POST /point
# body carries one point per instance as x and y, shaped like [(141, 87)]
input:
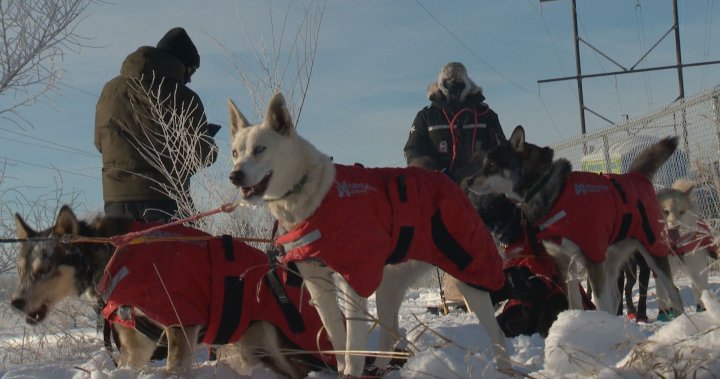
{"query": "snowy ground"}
[(580, 344)]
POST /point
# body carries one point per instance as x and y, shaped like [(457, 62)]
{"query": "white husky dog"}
[(273, 164)]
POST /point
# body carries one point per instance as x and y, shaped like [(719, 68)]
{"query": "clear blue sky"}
[(375, 60)]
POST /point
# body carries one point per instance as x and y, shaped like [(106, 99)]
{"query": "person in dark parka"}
[(453, 133), (132, 186), (455, 127)]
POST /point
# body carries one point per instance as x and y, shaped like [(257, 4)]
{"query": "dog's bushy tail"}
[(649, 161)]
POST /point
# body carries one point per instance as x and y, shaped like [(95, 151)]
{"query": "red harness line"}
[(451, 123), (140, 236)]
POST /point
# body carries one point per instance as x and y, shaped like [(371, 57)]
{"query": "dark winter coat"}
[(377, 216), (121, 118), (434, 145)]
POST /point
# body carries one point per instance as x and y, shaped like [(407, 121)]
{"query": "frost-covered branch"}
[(281, 64), (166, 142), (33, 35)]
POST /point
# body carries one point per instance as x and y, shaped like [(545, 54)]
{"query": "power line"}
[(562, 67), (52, 144), (16, 161), (466, 47), (78, 89), (477, 56)]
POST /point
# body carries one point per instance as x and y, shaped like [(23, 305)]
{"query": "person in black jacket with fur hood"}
[(452, 135), (446, 135)]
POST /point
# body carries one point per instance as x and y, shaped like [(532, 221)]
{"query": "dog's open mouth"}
[(257, 189), (37, 316)]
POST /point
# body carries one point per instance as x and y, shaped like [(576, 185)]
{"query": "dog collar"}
[(540, 183), (296, 189)]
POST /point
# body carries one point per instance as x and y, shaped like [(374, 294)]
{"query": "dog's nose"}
[(18, 303), (236, 177)]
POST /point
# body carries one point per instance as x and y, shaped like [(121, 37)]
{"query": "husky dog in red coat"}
[(586, 219), (357, 221), (215, 290)]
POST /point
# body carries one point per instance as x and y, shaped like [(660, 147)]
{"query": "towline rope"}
[(139, 237)]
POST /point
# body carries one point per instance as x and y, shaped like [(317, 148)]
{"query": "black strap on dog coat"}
[(291, 313), (406, 232), (233, 291), (626, 220)]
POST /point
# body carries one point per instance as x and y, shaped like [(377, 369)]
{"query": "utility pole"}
[(679, 65), (578, 68)]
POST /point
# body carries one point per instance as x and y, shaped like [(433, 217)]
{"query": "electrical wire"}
[(16, 161), (53, 145), (491, 67)]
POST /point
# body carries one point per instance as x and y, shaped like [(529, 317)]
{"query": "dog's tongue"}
[(247, 191)]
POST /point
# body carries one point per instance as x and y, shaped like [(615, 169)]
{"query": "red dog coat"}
[(218, 282), (701, 238), (376, 216), (594, 211)]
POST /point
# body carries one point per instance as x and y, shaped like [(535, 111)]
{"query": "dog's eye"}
[(234, 153), (40, 272), (258, 150), (666, 212)]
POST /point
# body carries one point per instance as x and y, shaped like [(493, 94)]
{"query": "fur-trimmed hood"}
[(473, 95)]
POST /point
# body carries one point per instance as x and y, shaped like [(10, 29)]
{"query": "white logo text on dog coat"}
[(346, 189), (584, 188)]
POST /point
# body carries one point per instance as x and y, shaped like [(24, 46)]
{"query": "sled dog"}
[(219, 288), (635, 270), (688, 235), (584, 220), (534, 295), (353, 221)]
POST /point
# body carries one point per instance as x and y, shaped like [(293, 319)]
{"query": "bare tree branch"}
[(34, 34), (279, 67)]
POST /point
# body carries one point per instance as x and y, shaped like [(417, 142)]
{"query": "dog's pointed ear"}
[(23, 230), (66, 222), (684, 185), (237, 120), (278, 116), (517, 139)]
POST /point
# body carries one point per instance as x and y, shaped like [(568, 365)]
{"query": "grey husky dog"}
[(50, 270), (584, 220), (272, 164)]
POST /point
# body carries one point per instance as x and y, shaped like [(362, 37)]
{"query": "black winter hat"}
[(177, 42)]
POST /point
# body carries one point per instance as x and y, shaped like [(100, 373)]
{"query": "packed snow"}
[(580, 344)]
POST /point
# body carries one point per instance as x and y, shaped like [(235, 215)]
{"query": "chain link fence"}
[(695, 120)]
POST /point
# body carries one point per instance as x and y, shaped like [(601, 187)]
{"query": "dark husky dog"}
[(532, 296), (634, 271), (50, 270), (596, 221)]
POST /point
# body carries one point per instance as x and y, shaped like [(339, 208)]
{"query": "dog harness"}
[(699, 238), (521, 254), (219, 282), (622, 206), (371, 217)]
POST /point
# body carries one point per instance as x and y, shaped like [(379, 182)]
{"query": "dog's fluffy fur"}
[(683, 221), (49, 271), (514, 168), (274, 165)]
